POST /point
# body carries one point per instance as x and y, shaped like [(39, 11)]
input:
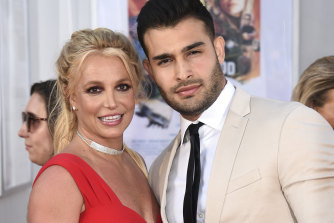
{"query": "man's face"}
[(185, 64)]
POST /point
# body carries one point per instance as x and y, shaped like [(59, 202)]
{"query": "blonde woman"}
[(315, 88), (94, 177)]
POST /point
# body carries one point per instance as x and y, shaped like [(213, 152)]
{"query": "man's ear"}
[(148, 68), (219, 44)]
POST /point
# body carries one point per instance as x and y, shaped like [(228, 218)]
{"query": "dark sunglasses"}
[(32, 120)]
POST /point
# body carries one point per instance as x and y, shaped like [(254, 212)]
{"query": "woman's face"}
[(104, 98), (232, 7), (327, 110), (38, 141)]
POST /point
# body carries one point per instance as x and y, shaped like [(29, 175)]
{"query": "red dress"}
[(101, 203)]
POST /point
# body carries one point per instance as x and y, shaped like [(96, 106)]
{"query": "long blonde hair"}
[(82, 44), (314, 83)]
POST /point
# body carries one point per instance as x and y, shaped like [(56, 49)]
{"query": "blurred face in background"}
[(232, 7), (327, 110), (38, 140)]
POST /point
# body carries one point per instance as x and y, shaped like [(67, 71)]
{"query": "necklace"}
[(99, 147)]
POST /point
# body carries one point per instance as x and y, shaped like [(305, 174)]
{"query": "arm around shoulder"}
[(55, 197)]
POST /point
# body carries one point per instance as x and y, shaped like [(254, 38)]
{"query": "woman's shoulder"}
[(55, 174), (52, 193)]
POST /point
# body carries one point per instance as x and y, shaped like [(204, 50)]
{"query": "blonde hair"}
[(314, 83), (83, 43)]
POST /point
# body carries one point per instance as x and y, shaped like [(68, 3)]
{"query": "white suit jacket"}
[(274, 162)]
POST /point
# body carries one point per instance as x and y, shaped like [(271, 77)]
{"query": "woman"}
[(95, 177), (315, 88), (38, 123)]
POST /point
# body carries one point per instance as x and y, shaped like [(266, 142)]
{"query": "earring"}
[(74, 108)]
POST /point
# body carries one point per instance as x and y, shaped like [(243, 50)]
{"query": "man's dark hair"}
[(48, 91), (168, 13)]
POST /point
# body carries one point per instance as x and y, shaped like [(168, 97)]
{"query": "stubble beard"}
[(191, 106)]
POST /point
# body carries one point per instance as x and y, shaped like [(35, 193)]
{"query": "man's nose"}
[(183, 70)]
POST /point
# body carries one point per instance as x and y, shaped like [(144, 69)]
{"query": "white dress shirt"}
[(213, 119)]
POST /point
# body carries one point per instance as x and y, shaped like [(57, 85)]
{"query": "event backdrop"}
[(238, 21), (14, 92)]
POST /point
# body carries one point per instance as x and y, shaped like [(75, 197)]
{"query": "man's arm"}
[(306, 165)]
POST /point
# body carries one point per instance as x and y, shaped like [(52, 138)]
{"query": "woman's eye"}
[(123, 87), (94, 90)]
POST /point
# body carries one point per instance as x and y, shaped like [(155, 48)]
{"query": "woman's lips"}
[(111, 120), (27, 147)]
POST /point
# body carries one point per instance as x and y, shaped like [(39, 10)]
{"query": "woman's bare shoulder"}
[(55, 197)]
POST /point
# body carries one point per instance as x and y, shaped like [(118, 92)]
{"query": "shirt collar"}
[(215, 115)]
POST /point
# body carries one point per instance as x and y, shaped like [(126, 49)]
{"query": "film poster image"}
[(154, 124), (238, 21)]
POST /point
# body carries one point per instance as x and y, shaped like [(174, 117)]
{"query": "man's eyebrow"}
[(161, 57), (194, 45), (185, 49)]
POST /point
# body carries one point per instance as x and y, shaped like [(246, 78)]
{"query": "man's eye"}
[(164, 61), (123, 87), (193, 52), (93, 90)]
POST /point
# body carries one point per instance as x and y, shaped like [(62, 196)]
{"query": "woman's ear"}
[(219, 44), (315, 108), (73, 103)]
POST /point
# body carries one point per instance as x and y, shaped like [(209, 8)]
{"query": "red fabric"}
[(101, 203)]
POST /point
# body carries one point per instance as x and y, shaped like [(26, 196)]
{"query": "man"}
[(248, 31), (261, 160)]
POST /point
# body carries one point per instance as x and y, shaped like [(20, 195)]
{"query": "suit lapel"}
[(164, 173), (226, 152)]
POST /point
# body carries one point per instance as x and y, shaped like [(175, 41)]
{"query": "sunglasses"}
[(32, 120)]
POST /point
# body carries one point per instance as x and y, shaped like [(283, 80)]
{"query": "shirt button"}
[(200, 215)]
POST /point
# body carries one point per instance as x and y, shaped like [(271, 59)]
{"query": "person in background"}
[(229, 11), (248, 31), (244, 62), (236, 158), (38, 121), (315, 88), (228, 20), (94, 176)]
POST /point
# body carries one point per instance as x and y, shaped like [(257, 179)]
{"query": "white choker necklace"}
[(100, 148)]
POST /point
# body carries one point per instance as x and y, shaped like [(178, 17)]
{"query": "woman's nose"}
[(110, 100), (23, 130)]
